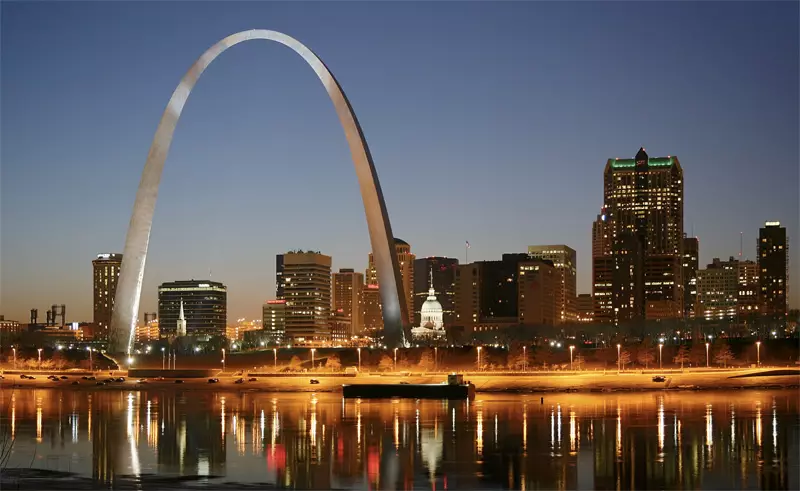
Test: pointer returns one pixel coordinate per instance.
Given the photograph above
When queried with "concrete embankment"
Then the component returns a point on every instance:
(497, 382)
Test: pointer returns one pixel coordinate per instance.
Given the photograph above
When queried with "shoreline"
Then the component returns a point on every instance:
(511, 383)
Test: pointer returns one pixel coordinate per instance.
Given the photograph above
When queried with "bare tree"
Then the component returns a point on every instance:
(624, 358)
(333, 363)
(723, 355)
(682, 356)
(386, 363)
(295, 363)
(426, 362)
(646, 356)
(518, 361)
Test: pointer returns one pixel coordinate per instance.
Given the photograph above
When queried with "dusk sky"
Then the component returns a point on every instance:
(487, 122)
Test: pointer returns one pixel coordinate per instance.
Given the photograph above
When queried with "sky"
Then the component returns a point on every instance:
(487, 122)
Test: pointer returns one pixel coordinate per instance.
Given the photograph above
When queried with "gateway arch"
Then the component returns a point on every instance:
(129, 285)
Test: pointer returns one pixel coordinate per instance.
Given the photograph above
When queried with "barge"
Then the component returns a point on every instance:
(454, 389)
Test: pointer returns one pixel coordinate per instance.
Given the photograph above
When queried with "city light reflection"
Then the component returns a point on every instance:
(572, 431)
(479, 431)
(709, 427)
(661, 429)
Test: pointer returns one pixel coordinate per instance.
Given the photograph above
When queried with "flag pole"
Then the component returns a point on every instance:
(466, 253)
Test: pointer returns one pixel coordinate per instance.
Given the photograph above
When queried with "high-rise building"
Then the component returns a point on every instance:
(749, 305)
(205, 305)
(348, 288)
(602, 270)
(307, 289)
(565, 260)
(373, 313)
(644, 209)
(279, 295)
(690, 264)
(105, 276)
(405, 261)
(773, 263)
(718, 291)
(341, 329)
(585, 307)
(444, 278)
(538, 286)
(274, 315)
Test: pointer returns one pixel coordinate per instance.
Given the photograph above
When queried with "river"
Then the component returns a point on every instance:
(667, 440)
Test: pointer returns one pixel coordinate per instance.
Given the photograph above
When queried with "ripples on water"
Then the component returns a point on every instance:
(736, 440)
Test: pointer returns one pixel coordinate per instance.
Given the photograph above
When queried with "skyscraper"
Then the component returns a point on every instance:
(718, 291)
(749, 308)
(307, 289)
(279, 295)
(373, 314)
(205, 305)
(444, 277)
(773, 263)
(537, 292)
(565, 260)
(348, 288)
(690, 264)
(644, 209)
(405, 261)
(105, 276)
(602, 270)
(274, 317)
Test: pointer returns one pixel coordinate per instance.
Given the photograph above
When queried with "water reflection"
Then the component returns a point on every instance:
(306, 441)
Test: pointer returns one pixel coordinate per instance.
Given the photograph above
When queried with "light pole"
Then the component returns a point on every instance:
(571, 347)
(395, 359)
(40, 358)
(435, 358)
(175, 360)
(479, 357)
(619, 361)
(91, 362)
(359, 359)
(660, 346)
(524, 358)
(758, 353)
(707, 345)
(312, 357)
(223, 360)
(275, 356)
(15, 357)
(163, 355)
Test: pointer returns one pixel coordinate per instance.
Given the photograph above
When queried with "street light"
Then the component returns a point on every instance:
(524, 358)
(40, 358)
(312, 357)
(275, 356)
(619, 361)
(162, 357)
(359, 359)
(175, 360)
(223, 360)
(479, 357)
(435, 358)
(395, 359)
(707, 345)
(758, 353)
(15, 357)
(660, 345)
(571, 347)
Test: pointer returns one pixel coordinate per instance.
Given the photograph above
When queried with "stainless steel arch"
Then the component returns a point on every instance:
(129, 289)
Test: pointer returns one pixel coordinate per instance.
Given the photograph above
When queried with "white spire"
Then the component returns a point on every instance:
(180, 316)
(181, 327)
(431, 292)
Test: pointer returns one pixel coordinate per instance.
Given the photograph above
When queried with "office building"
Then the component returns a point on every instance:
(104, 278)
(585, 307)
(405, 261)
(538, 289)
(748, 301)
(644, 210)
(602, 270)
(205, 307)
(274, 321)
(279, 295)
(773, 265)
(341, 329)
(307, 290)
(373, 312)
(565, 260)
(718, 291)
(347, 298)
(444, 278)
(690, 264)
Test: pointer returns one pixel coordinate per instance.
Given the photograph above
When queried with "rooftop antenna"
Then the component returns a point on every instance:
(741, 234)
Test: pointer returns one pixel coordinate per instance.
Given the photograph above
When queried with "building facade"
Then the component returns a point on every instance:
(444, 278)
(105, 273)
(644, 210)
(565, 260)
(274, 321)
(749, 305)
(307, 290)
(585, 306)
(279, 295)
(718, 291)
(373, 312)
(690, 264)
(347, 298)
(773, 265)
(205, 306)
(405, 261)
(602, 270)
(538, 289)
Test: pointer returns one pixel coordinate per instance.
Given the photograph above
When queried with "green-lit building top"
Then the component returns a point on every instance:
(651, 162)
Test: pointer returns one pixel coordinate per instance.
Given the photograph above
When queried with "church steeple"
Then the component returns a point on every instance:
(181, 327)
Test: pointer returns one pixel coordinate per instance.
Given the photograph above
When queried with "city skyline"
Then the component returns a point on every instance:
(739, 155)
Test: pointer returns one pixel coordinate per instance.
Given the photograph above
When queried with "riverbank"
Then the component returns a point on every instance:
(527, 382)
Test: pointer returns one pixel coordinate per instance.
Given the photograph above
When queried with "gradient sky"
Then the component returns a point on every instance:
(488, 122)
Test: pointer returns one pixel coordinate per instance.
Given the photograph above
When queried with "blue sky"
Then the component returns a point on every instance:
(488, 122)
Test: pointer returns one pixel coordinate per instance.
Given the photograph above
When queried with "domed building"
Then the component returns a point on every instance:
(431, 319)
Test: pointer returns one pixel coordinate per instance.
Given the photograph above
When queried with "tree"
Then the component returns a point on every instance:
(624, 358)
(295, 363)
(59, 362)
(578, 362)
(682, 356)
(698, 354)
(333, 363)
(386, 363)
(32, 363)
(646, 356)
(723, 355)
(543, 356)
(518, 361)
(426, 362)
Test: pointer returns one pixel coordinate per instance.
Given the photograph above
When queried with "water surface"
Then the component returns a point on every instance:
(726, 440)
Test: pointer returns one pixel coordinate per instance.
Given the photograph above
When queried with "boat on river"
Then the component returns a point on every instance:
(453, 389)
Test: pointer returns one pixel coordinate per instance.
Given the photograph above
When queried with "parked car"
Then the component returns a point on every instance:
(75, 382)
(92, 378)
(252, 379)
(179, 381)
(314, 381)
(100, 383)
(63, 377)
(120, 379)
(213, 381)
(659, 378)
(239, 381)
